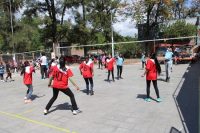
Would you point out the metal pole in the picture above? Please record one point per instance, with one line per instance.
(113, 52)
(11, 23)
(11, 18)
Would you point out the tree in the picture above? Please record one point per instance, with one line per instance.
(54, 17)
(194, 9)
(7, 11)
(179, 29)
(27, 37)
(148, 14)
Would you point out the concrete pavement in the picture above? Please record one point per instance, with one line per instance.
(116, 107)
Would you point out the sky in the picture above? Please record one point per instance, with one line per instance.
(124, 28)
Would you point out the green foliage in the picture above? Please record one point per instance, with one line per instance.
(130, 49)
(179, 29)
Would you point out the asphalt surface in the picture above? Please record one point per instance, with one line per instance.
(116, 107)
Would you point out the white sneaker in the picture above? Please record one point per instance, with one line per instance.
(75, 112)
(45, 112)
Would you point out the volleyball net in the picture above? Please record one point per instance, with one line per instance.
(129, 49)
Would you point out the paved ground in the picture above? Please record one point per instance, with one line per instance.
(116, 107)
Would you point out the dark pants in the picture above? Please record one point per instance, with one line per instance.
(100, 64)
(1, 76)
(111, 71)
(43, 71)
(65, 91)
(143, 63)
(9, 74)
(155, 87)
(119, 71)
(87, 81)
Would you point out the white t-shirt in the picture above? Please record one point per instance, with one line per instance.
(43, 60)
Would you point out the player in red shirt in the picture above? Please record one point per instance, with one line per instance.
(27, 72)
(152, 70)
(86, 69)
(60, 76)
(110, 66)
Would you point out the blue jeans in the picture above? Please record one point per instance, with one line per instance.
(29, 91)
(168, 66)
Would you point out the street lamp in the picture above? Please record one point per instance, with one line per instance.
(11, 19)
(112, 39)
(198, 30)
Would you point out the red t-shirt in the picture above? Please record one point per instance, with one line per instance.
(28, 75)
(110, 64)
(151, 68)
(86, 69)
(60, 77)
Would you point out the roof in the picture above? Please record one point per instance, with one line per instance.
(187, 20)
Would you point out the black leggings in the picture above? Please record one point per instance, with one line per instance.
(110, 71)
(155, 87)
(100, 64)
(87, 81)
(65, 91)
(119, 71)
(9, 74)
(1, 76)
(43, 71)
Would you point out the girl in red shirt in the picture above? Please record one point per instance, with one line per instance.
(27, 72)
(152, 70)
(86, 69)
(110, 66)
(60, 75)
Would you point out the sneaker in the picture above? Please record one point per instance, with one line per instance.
(147, 99)
(75, 112)
(159, 100)
(87, 92)
(45, 112)
(92, 93)
(28, 101)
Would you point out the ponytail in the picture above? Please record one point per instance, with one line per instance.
(26, 63)
(158, 68)
(62, 63)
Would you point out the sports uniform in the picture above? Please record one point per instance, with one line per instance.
(86, 69)
(60, 83)
(28, 80)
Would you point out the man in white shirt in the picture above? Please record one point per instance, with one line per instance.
(43, 61)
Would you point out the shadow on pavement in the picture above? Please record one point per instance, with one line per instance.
(64, 106)
(186, 98)
(33, 97)
(174, 130)
(141, 96)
